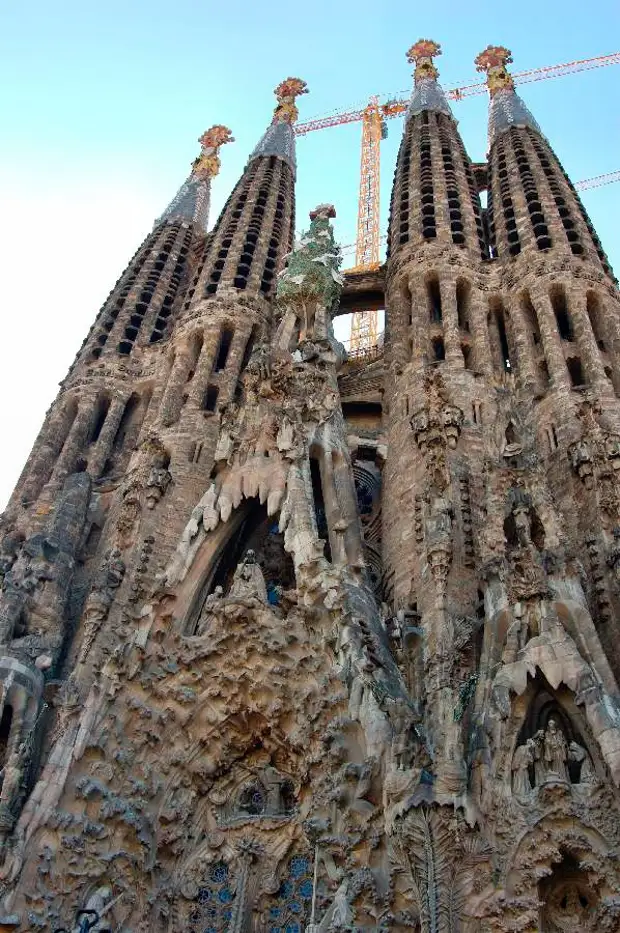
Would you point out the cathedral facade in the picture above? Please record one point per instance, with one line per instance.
(296, 642)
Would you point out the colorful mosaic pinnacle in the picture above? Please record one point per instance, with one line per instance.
(207, 165)
(286, 92)
(421, 54)
(494, 60)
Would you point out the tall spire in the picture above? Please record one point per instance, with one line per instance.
(279, 139)
(506, 109)
(191, 202)
(427, 92)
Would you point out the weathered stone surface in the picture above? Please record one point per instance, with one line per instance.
(294, 641)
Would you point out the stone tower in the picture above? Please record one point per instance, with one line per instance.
(296, 642)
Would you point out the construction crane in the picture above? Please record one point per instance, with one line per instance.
(374, 129)
(597, 181)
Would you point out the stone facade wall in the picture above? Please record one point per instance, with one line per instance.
(290, 641)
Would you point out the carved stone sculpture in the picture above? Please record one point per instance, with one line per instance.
(248, 581)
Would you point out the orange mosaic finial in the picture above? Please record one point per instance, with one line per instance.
(494, 60)
(207, 165)
(286, 92)
(421, 54)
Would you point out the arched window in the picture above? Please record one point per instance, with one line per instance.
(258, 532)
(289, 908)
(434, 300)
(562, 316)
(100, 414)
(211, 910)
(226, 336)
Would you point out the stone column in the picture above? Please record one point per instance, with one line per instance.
(526, 363)
(335, 519)
(76, 441)
(103, 448)
(204, 366)
(495, 345)
(483, 355)
(419, 324)
(451, 335)
(592, 363)
(551, 340)
(52, 439)
(344, 486)
(172, 401)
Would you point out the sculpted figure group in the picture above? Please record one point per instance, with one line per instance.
(548, 754)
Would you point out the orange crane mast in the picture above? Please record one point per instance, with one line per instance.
(373, 117)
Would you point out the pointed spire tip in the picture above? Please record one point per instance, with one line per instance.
(207, 165)
(421, 55)
(286, 92)
(493, 61)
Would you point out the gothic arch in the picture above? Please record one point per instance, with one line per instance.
(550, 844)
(249, 527)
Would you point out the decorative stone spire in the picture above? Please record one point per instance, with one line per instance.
(279, 139)
(191, 203)
(427, 92)
(506, 108)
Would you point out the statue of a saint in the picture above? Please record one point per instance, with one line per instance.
(555, 752)
(248, 581)
(521, 760)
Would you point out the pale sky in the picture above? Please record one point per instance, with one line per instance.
(102, 105)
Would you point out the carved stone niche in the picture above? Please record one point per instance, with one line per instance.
(268, 794)
(549, 750)
(569, 900)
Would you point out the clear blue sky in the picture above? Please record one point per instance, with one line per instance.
(101, 105)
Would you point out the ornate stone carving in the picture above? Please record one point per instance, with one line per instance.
(105, 587)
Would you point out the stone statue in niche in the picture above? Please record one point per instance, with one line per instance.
(158, 480)
(555, 752)
(212, 601)
(248, 581)
(549, 754)
(578, 754)
(522, 759)
(106, 584)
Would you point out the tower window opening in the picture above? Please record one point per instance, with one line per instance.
(501, 326)
(439, 350)
(595, 317)
(467, 356)
(553, 437)
(575, 371)
(319, 503)
(560, 309)
(434, 299)
(463, 291)
(223, 350)
(247, 353)
(531, 320)
(209, 401)
(103, 406)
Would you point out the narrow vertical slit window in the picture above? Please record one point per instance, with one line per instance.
(223, 349)
(575, 371)
(562, 316)
(209, 400)
(434, 301)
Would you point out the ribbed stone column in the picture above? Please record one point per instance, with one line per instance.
(480, 334)
(551, 340)
(103, 448)
(451, 334)
(526, 363)
(592, 363)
